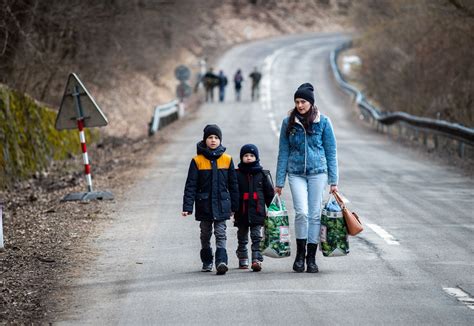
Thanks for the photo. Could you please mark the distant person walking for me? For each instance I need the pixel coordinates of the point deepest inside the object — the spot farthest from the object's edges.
(222, 85)
(210, 81)
(238, 80)
(308, 154)
(256, 77)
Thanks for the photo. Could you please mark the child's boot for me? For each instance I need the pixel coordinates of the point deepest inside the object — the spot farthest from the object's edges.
(221, 261)
(243, 263)
(206, 258)
(256, 266)
(243, 259)
(257, 259)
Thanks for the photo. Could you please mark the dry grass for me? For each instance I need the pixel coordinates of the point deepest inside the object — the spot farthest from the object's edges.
(417, 56)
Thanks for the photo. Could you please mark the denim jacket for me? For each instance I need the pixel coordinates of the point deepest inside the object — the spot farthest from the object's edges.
(305, 154)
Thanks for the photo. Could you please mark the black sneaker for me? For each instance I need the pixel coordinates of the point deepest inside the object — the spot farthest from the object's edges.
(206, 267)
(222, 269)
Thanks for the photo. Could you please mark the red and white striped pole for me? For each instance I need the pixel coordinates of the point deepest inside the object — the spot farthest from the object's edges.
(87, 166)
(82, 136)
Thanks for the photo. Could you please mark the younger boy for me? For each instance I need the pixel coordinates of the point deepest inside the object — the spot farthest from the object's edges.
(212, 186)
(255, 191)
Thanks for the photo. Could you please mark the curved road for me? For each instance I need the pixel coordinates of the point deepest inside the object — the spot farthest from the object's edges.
(416, 248)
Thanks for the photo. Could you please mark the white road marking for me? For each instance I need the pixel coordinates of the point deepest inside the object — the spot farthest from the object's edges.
(461, 296)
(275, 291)
(383, 234)
(450, 263)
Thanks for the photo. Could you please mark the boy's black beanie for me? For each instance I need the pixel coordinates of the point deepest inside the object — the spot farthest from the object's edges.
(212, 130)
(249, 148)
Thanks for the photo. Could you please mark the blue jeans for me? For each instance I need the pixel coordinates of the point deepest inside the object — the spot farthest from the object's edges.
(307, 192)
(221, 94)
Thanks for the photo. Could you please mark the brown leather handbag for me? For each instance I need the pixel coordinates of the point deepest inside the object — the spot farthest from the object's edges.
(354, 226)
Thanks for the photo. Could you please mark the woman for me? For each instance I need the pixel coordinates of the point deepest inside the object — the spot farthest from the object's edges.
(307, 152)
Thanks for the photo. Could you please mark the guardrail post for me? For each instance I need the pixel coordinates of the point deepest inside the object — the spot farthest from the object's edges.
(461, 149)
(180, 109)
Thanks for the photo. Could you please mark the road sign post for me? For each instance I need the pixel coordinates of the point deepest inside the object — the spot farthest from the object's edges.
(183, 90)
(79, 110)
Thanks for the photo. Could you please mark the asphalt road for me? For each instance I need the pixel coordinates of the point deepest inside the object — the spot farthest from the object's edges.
(418, 216)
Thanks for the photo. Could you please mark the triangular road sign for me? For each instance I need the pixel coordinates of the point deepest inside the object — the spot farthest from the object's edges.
(78, 103)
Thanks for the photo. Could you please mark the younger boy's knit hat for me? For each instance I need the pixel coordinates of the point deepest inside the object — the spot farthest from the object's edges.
(305, 91)
(249, 148)
(212, 130)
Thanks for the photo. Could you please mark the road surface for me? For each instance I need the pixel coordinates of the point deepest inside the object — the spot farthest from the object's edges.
(416, 249)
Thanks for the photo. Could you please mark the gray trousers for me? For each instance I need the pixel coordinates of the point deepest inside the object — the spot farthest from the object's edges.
(219, 233)
(243, 238)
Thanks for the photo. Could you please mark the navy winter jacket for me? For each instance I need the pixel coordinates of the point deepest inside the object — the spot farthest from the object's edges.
(255, 191)
(211, 185)
(304, 154)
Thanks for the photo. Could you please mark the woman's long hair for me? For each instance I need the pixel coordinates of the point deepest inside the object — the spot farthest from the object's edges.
(309, 118)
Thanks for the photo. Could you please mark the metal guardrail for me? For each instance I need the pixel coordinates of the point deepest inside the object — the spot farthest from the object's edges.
(463, 135)
(165, 114)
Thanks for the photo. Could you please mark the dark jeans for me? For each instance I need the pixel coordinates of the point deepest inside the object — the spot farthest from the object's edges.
(209, 94)
(221, 94)
(219, 233)
(255, 92)
(243, 238)
(237, 94)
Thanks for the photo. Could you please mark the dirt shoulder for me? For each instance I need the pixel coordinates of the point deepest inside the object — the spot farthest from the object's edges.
(48, 242)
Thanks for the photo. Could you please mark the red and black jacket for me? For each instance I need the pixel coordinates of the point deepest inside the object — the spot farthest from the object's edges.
(255, 191)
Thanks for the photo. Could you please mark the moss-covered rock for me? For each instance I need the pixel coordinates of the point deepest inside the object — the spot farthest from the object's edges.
(28, 138)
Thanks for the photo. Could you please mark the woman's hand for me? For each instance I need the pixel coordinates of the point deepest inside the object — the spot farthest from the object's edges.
(185, 214)
(278, 190)
(333, 188)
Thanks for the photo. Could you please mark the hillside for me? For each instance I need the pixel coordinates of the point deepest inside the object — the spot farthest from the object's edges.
(126, 51)
(424, 49)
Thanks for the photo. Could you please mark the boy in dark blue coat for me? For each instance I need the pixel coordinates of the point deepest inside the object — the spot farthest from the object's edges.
(212, 187)
(255, 191)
